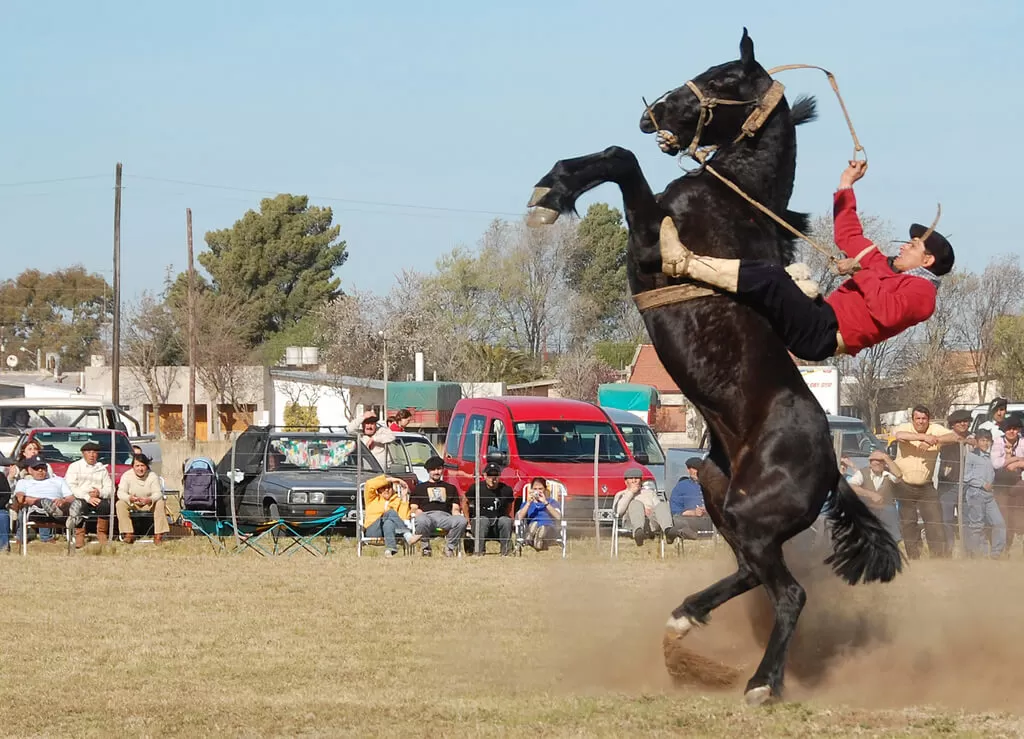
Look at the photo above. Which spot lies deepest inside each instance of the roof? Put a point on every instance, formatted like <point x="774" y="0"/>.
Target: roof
<point x="323" y="378"/>
<point x="647" y="369"/>
<point x="623" y="418"/>
<point x="57" y="401"/>
<point x="530" y="408"/>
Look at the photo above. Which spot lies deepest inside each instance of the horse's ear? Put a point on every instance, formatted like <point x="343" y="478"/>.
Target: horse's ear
<point x="746" y="49"/>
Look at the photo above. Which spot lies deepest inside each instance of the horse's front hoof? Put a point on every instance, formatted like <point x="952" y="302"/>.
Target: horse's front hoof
<point x="679" y="627"/>
<point x="540" y="216"/>
<point x="758" y="696"/>
<point x="538" y="194"/>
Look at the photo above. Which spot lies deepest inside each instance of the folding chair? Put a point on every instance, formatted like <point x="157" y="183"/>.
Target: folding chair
<point x="520" y="526"/>
<point x="362" y="540"/>
<point x="304" y="533"/>
<point x="209" y="525"/>
<point x="438" y="532"/>
<point x="619" y="527"/>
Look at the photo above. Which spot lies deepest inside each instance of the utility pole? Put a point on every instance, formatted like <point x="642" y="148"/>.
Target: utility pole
<point x="115" y="361"/>
<point x="191" y="336"/>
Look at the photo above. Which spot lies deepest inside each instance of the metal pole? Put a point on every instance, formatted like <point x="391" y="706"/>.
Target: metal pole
<point x="478" y="539"/>
<point x="115" y="359"/>
<point x="384" y="413"/>
<point x="113" y="480"/>
<point x="960" y="500"/>
<point x="191" y="336"/>
<point x="234" y="513"/>
<point x="597" y="519"/>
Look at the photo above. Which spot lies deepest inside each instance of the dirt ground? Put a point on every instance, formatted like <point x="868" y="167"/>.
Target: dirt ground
<point x="174" y="641"/>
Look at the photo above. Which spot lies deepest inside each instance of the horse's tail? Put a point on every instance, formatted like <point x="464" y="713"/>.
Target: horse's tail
<point x="862" y="549"/>
<point x="804" y="110"/>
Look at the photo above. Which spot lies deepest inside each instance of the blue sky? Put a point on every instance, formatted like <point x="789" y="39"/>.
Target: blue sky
<point x="460" y="107"/>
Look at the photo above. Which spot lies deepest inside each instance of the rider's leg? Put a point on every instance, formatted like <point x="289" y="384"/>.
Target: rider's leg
<point x="807" y="326"/>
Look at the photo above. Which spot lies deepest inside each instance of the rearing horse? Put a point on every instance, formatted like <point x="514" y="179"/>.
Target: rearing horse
<point x="771" y="464"/>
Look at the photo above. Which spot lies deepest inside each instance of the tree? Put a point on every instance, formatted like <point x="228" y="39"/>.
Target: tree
<point x="352" y="344"/>
<point x="874" y="371"/>
<point x="151" y="347"/>
<point x="984" y="299"/>
<point x="63" y="311"/>
<point x="1008" y="341"/>
<point x="580" y="373"/>
<point x="279" y="262"/>
<point x="595" y="270"/>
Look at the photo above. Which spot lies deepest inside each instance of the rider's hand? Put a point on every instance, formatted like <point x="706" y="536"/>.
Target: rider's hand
<point x="853" y="172"/>
<point x="667" y="141"/>
<point x="847" y="266"/>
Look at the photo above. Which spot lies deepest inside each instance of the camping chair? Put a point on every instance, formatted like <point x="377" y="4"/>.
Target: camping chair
<point x="304" y="533"/>
<point x="520" y="526"/>
<point x="362" y="540"/>
<point x="438" y="532"/>
<point x="209" y="525"/>
<point x="619" y="528"/>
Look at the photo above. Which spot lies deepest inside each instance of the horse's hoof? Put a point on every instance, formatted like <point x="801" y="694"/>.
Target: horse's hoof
<point x="538" y="193"/>
<point x="541" y="217"/>
<point x="758" y="696"/>
<point x="680" y="626"/>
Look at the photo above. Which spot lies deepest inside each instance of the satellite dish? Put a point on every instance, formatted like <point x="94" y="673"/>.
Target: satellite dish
<point x="12" y="361"/>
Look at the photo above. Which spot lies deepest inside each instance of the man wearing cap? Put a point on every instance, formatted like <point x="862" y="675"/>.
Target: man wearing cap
<point x="644" y="511"/>
<point x="884" y="296"/>
<point x="686" y="503"/>
<point x="1008" y="462"/>
<point x="90" y="481"/>
<point x="494" y="517"/>
<point x="374" y="438"/>
<point x="52" y="494"/>
<point x="879" y="488"/>
<point x="950" y="454"/>
<point x="436" y="504"/>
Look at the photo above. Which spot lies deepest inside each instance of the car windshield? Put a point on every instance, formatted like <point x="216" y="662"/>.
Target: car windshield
<point x="857" y="440"/>
<point x="64" y="447"/>
<point x="640" y="440"/>
<point x="419" y="451"/>
<point x="567" y="441"/>
<point x="314" y="453"/>
<point x="29" y="417"/>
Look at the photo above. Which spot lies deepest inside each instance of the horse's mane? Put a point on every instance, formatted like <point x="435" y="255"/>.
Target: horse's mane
<point x="804" y="110"/>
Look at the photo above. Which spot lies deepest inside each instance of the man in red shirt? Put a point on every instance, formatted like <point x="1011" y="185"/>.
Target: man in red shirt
<point x="885" y="295"/>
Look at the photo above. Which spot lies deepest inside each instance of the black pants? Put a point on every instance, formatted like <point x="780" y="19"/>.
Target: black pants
<point x="806" y="325"/>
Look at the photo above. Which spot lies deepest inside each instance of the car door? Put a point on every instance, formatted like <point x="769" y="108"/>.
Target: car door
<point x="473" y="438"/>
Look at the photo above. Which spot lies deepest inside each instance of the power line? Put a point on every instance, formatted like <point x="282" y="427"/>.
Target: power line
<point x="48" y="182"/>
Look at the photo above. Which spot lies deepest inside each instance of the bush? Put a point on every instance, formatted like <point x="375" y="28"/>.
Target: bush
<point x="297" y="417"/>
<point x="172" y="428"/>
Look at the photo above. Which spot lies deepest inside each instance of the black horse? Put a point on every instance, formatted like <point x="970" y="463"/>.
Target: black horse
<point x="771" y="465"/>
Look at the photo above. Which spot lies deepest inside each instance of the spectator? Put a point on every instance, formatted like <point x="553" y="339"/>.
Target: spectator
<point x="5" y="500"/>
<point x="374" y="438"/>
<point x="949" y="472"/>
<point x="879" y="487"/>
<point x="849" y="470"/>
<point x="994" y="421"/>
<point x="89" y="479"/>
<point x="644" y="511"/>
<point x="1008" y="461"/>
<point x="136" y="449"/>
<point x="401" y="419"/>
<point x="686" y="503"/>
<point x="540" y="515"/>
<point x="918" y="445"/>
<point x="494" y="518"/>
<point x="140" y="490"/>
<point x="981" y="508"/>
<point x="436" y="504"/>
<point x="40" y="489"/>
<point x="18" y="471"/>
<point x="386" y="512"/>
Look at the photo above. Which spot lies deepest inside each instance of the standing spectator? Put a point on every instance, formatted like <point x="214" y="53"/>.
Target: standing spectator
<point x="386" y="512"/>
<point x="90" y="481"/>
<point x="540" y="515"/>
<point x="918" y="445"/>
<point x="879" y="487"/>
<point x="1008" y="462"/>
<point x="645" y="512"/>
<point x="949" y="472"/>
<point x="18" y="471"/>
<point x="994" y="421"/>
<point x="686" y="503"/>
<point x="139" y="490"/>
<point x="494" y="517"/>
<point x="400" y="420"/>
<point x="374" y="438"/>
<point x="436" y="504"/>
<point x="982" y="510"/>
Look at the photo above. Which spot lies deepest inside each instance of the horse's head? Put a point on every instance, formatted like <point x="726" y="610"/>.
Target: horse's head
<point x="714" y="108"/>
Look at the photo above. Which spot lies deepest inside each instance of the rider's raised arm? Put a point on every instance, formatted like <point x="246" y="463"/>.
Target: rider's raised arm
<point x="847" y="229"/>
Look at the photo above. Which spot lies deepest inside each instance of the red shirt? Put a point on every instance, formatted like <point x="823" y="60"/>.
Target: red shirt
<point x="877" y="302"/>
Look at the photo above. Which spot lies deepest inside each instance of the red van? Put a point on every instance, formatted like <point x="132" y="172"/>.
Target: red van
<point x="546" y="437"/>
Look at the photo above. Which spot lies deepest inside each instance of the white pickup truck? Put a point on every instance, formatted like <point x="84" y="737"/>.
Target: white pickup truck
<point x="18" y="414"/>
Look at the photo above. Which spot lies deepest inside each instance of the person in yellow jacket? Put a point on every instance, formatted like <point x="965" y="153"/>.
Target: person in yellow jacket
<point x="386" y="512"/>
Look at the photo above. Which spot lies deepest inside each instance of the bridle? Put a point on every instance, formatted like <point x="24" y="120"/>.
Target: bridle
<point x="765" y="105"/>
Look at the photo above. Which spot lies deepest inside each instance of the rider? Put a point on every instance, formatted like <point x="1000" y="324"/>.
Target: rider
<point x="884" y="297"/>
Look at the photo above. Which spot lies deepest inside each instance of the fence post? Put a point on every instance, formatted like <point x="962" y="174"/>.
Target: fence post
<point x="113" y="480"/>
<point x="960" y="500"/>
<point x="597" y="517"/>
<point x="478" y="539"/>
<point x="234" y="513"/>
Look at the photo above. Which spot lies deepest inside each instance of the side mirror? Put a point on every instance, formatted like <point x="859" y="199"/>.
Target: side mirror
<point x="642" y="458"/>
<point x="498" y="458"/>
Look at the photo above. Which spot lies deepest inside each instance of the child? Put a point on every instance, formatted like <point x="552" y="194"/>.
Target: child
<point x="981" y="508"/>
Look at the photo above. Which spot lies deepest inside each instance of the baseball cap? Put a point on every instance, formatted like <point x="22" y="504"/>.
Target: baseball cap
<point x="492" y="469"/>
<point x="633" y="473"/>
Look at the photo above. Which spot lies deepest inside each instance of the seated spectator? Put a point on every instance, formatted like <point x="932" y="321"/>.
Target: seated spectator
<point x="540" y="515"/>
<point x="980" y="504"/>
<point x="51" y="494"/>
<point x="644" y="510"/>
<point x="493" y="520"/>
<point x="878" y="489"/>
<point x="689" y="517"/>
<point x="401" y="419"/>
<point x="386" y="513"/>
<point x="140" y="490"/>
<point x="435" y="504"/>
<point x="89" y="480"/>
<point x="18" y="471"/>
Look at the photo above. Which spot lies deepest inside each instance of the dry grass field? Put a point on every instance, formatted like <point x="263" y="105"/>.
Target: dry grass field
<point x="176" y="641"/>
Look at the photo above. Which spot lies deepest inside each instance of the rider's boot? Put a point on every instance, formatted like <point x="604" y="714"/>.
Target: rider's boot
<point x="678" y="261"/>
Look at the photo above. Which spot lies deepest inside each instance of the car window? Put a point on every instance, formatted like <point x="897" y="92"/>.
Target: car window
<point x="66" y="446"/>
<point x="640" y="439"/>
<point x="474" y="437"/>
<point x="398" y="461"/>
<point x="454" y="440"/>
<point x="497" y="437"/>
<point x="567" y="441"/>
<point x="857" y="440"/>
<point x="419" y="451"/>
